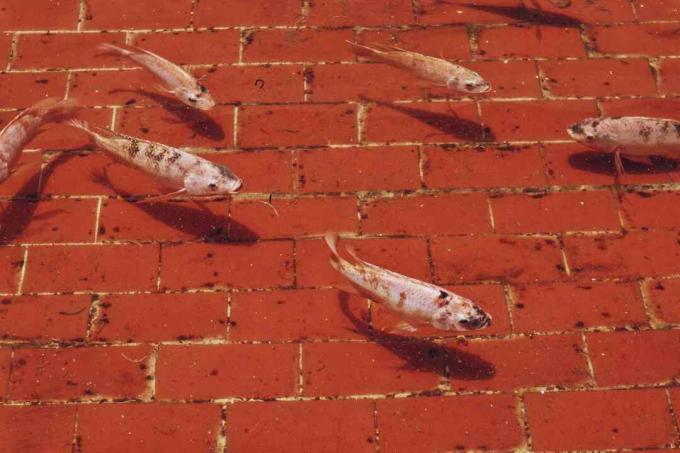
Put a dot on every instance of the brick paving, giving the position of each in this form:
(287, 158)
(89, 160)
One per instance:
(165, 327)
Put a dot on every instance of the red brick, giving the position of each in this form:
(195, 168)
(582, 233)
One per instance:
(438, 12)
(491, 298)
(193, 47)
(599, 77)
(425, 122)
(212, 13)
(656, 210)
(180, 126)
(492, 257)
(357, 12)
(634, 254)
(23, 89)
(301, 426)
(556, 212)
(483, 167)
(267, 45)
(44, 317)
(444, 423)
(360, 368)
(635, 357)
(424, 40)
(66, 50)
(119, 14)
(575, 164)
(62, 136)
(518, 120)
(289, 125)
(113, 372)
(95, 268)
(589, 12)
(48, 221)
(428, 215)
(166, 221)
(290, 315)
(660, 107)
(161, 317)
(559, 307)
(232, 84)
(11, 261)
(665, 297)
(37, 428)
(123, 87)
(670, 81)
(5, 366)
(246, 370)
(25, 179)
(37, 15)
(297, 217)
(5, 48)
(148, 427)
(406, 256)
(657, 9)
(599, 420)
(509, 79)
(260, 170)
(250, 265)
(530, 42)
(353, 169)
(643, 39)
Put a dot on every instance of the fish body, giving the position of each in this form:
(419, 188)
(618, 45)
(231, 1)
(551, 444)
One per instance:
(630, 135)
(413, 299)
(436, 70)
(26, 125)
(179, 169)
(174, 79)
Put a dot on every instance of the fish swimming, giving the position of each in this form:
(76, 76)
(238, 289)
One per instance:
(186, 172)
(174, 79)
(26, 125)
(435, 70)
(413, 299)
(635, 137)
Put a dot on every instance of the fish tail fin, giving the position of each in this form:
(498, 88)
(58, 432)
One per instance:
(331, 238)
(55, 110)
(92, 131)
(367, 51)
(112, 49)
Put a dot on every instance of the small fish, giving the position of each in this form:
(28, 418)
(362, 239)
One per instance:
(26, 125)
(413, 299)
(174, 79)
(635, 137)
(436, 70)
(190, 174)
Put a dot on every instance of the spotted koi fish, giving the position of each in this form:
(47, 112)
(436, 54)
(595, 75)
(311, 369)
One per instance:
(26, 125)
(413, 299)
(173, 78)
(190, 174)
(635, 137)
(435, 70)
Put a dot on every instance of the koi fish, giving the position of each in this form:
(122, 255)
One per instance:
(174, 79)
(436, 70)
(190, 174)
(26, 125)
(411, 298)
(635, 137)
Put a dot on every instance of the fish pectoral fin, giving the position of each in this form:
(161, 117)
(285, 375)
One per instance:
(163, 197)
(164, 89)
(404, 327)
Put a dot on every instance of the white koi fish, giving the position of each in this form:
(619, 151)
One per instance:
(174, 79)
(190, 174)
(635, 137)
(435, 70)
(414, 299)
(26, 125)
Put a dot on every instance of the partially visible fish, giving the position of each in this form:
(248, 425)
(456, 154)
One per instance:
(186, 172)
(26, 125)
(635, 137)
(435, 70)
(413, 299)
(173, 78)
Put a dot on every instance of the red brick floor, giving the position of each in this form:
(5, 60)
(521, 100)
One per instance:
(165, 327)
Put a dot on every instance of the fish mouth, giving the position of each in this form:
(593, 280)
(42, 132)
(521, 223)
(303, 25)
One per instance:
(477, 323)
(236, 186)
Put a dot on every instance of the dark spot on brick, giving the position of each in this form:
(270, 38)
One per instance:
(88, 392)
(6, 301)
(214, 372)
(142, 366)
(102, 229)
(308, 75)
(144, 130)
(71, 383)
(519, 305)
(659, 286)
(280, 302)
(248, 38)
(579, 324)
(560, 267)
(209, 255)
(42, 81)
(605, 314)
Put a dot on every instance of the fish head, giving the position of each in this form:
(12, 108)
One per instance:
(585, 131)
(469, 83)
(4, 170)
(459, 313)
(215, 180)
(197, 97)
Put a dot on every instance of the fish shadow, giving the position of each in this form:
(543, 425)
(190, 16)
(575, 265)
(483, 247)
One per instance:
(523, 14)
(199, 223)
(420, 354)
(451, 125)
(200, 123)
(20, 212)
(603, 163)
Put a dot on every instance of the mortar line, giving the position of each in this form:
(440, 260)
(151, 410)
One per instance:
(82, 15)
(674, 418)
(300, 372)
(586, 356)
(376, 427)
(75, 441)
(491, 217)
(222, 441)
(229, 300)
(22, 273)
(159, 268)
(97, 219)
(652, 319)
(149, 393)
(13, 46)
(523, 419)
(655, 67)
(235, 127)
(93, 316)
(510, 301)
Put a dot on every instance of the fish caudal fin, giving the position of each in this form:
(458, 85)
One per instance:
(331, 238)
(60, 111)
(367, 51)
(111, 49)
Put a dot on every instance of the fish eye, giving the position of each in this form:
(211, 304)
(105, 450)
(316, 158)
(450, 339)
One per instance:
(212, 186)
(470, 84)
(202, 88)
(464, 321)
(590, 138)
